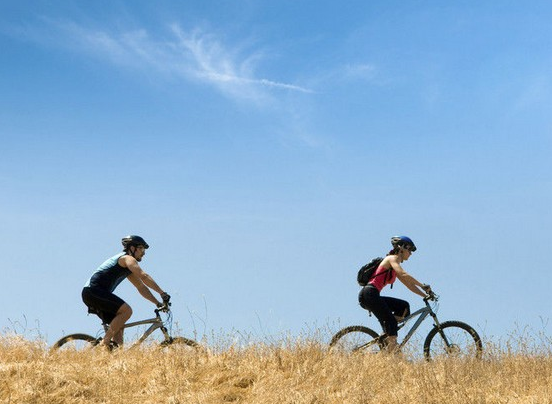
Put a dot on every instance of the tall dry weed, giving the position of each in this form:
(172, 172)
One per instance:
(289, 372)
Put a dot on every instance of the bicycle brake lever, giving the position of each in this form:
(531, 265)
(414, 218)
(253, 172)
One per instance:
(163, 309)
(431, 297)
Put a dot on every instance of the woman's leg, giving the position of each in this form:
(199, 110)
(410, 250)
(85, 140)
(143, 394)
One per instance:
(400, 308)
(391, 344)
(370, 299)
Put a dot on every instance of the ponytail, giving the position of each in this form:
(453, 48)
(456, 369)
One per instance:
(394, 251)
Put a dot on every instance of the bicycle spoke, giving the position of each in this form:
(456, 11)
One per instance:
(180, 343)
(356, 339)
(76, 342)
(453, 339)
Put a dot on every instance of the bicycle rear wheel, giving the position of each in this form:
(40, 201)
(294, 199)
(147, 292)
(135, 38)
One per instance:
(180, 343)
(453, 339)
(76, 342)
(356, 338)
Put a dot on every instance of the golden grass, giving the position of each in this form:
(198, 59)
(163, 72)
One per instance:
(296, 372)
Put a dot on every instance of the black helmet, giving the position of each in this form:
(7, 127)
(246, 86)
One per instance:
(133, 240)
(403, 241)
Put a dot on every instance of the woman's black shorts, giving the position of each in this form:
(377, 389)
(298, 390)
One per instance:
(384, 308)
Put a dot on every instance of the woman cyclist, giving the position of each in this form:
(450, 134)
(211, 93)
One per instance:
(388, 309)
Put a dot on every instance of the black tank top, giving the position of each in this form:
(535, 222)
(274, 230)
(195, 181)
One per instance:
(108, 275)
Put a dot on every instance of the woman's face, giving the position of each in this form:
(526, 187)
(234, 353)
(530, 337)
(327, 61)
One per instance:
(406, 253)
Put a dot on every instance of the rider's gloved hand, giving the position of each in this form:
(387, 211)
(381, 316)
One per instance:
(427, 288)
(166, 297)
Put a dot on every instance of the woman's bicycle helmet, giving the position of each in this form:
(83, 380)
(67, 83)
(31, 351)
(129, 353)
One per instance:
(133, 240)
(403, 241)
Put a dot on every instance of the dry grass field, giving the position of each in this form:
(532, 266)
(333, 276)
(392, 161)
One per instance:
(297, 372)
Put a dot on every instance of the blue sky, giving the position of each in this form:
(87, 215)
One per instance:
(266, 150)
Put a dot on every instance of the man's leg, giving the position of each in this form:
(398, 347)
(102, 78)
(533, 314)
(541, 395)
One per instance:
(115, 331)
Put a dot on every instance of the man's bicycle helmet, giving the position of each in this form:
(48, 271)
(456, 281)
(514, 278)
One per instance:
(403, 241)
(134, 240)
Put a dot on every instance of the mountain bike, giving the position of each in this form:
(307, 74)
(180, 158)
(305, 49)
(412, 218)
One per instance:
(83, 341)
(450, 338)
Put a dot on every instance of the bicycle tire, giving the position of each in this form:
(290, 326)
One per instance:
(77, 342)
(180, 341)
(355, 338)
(453, 339)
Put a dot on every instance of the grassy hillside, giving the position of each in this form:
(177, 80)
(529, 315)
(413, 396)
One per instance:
(299, 372)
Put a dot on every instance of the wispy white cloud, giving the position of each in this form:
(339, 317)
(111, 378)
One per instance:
(194, 56)
(365, 72)
(207, 60)
(199, 56)
(344, 74)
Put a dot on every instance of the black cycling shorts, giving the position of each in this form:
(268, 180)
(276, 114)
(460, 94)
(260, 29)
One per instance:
(384, 308)
(102, 303)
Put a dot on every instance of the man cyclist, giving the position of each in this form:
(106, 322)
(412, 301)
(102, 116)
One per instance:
(98, 295)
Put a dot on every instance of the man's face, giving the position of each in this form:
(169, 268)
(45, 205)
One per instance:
(139, 252)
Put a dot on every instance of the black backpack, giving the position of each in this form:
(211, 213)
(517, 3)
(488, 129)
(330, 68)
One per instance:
(366, 272)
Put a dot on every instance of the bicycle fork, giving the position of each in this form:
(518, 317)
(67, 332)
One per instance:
(440, 330)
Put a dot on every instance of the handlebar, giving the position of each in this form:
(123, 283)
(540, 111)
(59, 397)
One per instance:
(431, 296)
(165, 308)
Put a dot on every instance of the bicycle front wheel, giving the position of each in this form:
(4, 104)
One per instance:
(356, 338)
(76, 342)
(181, 342)
(453, 339)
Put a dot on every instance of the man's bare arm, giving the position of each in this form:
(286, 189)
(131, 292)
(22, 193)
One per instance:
(143, 289)
(140, 279)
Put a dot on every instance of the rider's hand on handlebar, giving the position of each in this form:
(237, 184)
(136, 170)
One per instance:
(431, 296)
(427, 289)
(166, 298)
(164, 307)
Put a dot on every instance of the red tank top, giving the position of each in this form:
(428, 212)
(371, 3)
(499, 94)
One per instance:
(383, 277)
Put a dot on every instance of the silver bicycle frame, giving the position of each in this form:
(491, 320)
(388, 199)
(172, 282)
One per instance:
(155, 324)
(422, 313)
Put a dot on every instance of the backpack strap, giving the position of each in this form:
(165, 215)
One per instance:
(387, 274)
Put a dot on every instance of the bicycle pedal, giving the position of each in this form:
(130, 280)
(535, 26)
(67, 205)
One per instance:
(112, 346)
